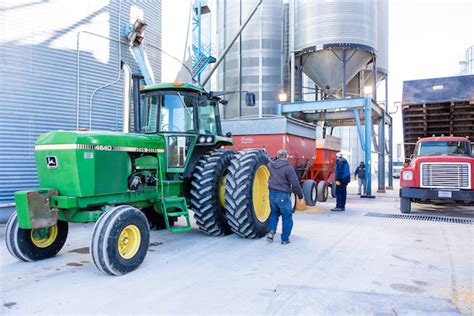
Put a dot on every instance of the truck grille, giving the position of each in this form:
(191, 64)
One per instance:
(446, 175)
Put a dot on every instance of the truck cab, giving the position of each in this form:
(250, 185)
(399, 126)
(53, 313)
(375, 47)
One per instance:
(440, 171)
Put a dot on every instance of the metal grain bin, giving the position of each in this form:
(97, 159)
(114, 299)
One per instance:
(324, 29)
(42, 71)
(240, 69)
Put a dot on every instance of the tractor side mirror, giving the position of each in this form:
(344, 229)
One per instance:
(250, 99)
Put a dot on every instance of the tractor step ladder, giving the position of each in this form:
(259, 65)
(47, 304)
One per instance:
(176, 203)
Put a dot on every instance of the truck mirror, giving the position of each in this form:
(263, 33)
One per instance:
(250, 99)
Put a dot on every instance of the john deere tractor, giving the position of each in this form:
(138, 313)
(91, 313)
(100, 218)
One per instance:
(128, 182)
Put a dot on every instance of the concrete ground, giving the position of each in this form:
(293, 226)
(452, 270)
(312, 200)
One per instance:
(337, 263)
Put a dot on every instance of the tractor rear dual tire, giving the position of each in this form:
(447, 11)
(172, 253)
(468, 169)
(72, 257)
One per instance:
(24, 245)
(247, 202)
(207, 192)
(120, 240)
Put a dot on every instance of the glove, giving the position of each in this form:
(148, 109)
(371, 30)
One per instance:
(338, 182)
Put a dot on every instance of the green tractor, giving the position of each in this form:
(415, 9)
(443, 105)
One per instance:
(174, 160)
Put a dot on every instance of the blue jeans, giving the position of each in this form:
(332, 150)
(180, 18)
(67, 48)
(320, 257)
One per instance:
(281, 205)
(361, 183)
(341, 194)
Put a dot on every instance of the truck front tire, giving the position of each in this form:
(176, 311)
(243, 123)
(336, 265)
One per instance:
(405, 205)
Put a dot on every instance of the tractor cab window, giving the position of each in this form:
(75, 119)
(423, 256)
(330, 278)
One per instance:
(176, 112)
(149, 114)
(207, 118)
(443, 148)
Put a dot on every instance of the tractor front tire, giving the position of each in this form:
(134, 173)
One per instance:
(247, 202)
(323, 191)
(26, 245)
(120, 240)
(207, 192)
(310, 192)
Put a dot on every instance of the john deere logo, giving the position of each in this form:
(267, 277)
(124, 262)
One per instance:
(51, 162)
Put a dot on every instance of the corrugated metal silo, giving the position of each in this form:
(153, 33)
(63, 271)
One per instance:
(240, 69)
(354, 87)
(41, 70)
(325, 29)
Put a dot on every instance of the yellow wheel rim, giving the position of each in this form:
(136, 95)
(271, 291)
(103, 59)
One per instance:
(47, 241)
(261, 202)
(221, 192)
(129, 241)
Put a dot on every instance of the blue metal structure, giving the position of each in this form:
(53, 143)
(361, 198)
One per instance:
(348, 112)
(202, 50)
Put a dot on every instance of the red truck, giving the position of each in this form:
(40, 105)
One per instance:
(441, 170)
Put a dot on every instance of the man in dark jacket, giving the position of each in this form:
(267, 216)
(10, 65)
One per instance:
(283, 180)
(359, 175)
(343, 177)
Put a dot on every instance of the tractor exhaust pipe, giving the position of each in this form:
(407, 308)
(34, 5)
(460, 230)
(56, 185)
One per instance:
(127, 77)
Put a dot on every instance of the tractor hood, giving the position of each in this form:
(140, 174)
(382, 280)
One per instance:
(103, 141)
(79, 164)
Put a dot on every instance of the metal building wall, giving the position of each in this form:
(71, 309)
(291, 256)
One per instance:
(240, 70)
(39, 74)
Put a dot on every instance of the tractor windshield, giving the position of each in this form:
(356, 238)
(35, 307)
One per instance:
(443, 148)
(168, 112)
(178, 111)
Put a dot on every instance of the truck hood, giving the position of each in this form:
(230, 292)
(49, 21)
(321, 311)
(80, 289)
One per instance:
(442, 158)
(416, 164)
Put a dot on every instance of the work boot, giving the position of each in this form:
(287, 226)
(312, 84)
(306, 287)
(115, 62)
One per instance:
(285, 242)
(337, 209)
(270, 236)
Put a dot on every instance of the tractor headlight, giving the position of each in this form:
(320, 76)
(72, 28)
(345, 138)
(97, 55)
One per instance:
(408, 175)
(202, 139)
(209, 139)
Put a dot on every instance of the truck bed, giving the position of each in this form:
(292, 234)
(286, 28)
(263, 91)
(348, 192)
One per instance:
(436, 107)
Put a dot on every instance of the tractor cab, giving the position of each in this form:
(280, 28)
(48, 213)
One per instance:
(186, 116)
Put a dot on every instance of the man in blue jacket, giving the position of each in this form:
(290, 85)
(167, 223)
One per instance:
(343, 177)
(283, 180)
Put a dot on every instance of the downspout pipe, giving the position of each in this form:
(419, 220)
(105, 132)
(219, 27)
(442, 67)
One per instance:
(127, 77)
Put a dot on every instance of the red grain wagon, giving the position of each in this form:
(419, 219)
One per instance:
(314, 161)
